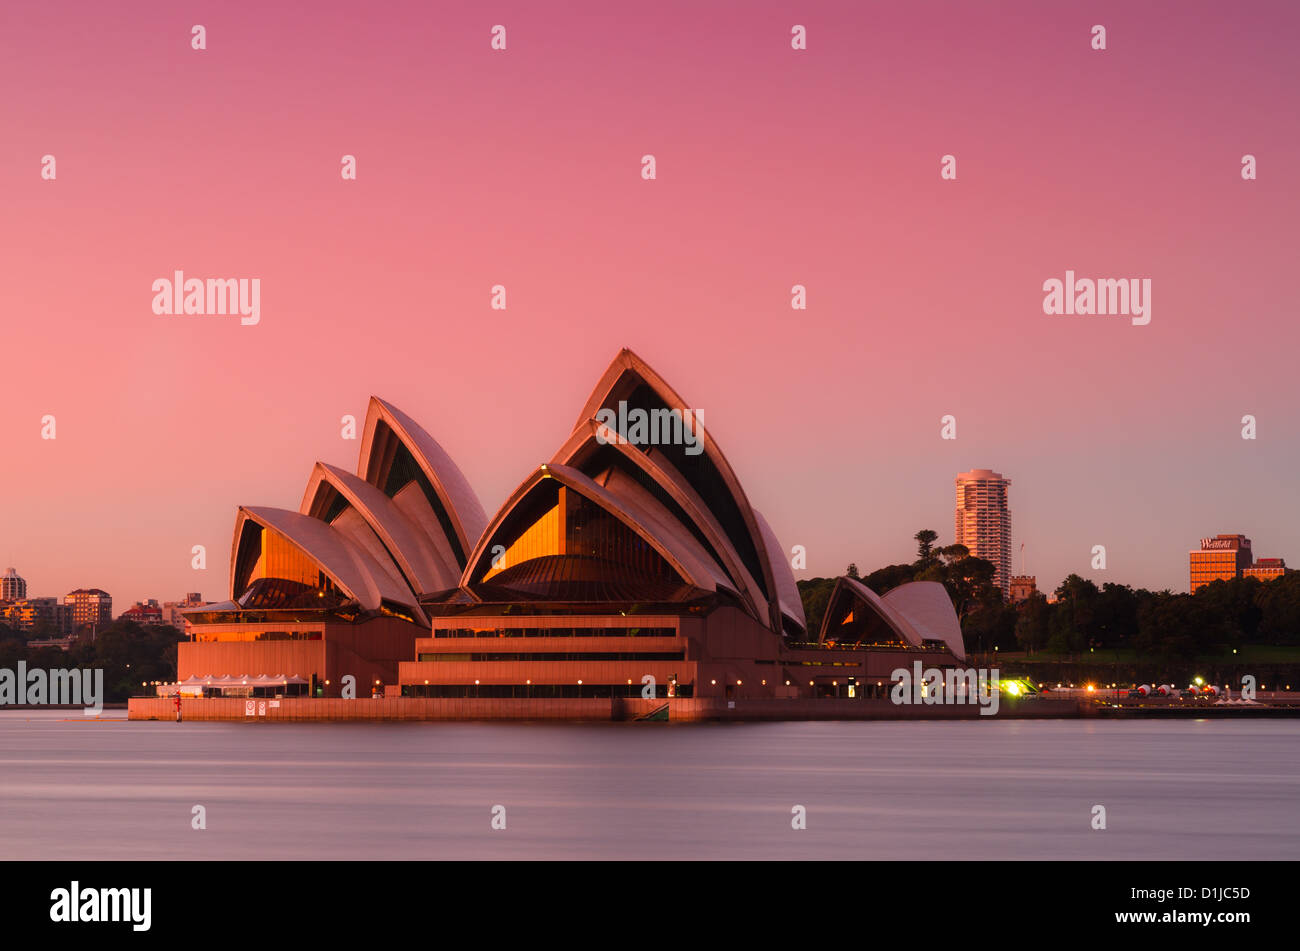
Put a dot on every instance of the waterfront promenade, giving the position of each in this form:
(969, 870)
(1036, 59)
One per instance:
(684, 709)
(587, 708)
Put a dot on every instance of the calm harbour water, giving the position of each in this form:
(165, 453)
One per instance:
(72, 788)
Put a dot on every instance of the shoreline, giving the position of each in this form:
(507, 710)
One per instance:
(326, 710)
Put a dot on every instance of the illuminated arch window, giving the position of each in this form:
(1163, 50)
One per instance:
(562, 546)
(851, 620)
(700, 471)
(272, 572)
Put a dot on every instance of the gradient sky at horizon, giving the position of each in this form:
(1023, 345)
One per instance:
(775, 167)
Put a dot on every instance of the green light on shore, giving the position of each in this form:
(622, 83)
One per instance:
(1017, 687)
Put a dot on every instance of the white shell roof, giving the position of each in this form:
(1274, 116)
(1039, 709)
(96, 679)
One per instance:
(356, 571)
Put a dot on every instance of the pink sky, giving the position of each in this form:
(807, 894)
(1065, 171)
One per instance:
(775, 167)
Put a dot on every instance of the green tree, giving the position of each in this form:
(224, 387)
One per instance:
(1115, 613)
(889, 577)
(1180, 626)
(130, 655)
(1073, 624)
(952, 553)
(925, 540)
(990, 624)
(970, 584)
(1032, 623)
(1234, 604)
(815, 594)
(1279, 610)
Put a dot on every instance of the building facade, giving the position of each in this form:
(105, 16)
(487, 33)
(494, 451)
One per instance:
(330, 595)
(1023, 587)
(625, 566)
(173, 612)
(143, 612)
(37, 614)
(983, 522)
(90, 607)
(1265, 569)
(12, 586)
(1220, 558)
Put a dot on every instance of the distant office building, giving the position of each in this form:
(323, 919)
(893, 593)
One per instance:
(172, 610)
(1266, 569)
(12, 587)
(1220, 558)
(37, 614)
(11, 614)
(1023, 587)
(43, 614)
(984, 521)
(89, 606)
(143, 612)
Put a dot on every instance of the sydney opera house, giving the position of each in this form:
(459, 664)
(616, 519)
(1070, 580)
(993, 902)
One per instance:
(623, 567)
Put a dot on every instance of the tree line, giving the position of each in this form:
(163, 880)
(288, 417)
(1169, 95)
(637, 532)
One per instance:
(129, 653)
(1082, 615)
(1220, 616)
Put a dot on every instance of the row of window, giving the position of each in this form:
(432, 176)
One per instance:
(828, 663)
(556, 632)
(542, 691)
(272, 693)
(259, 636)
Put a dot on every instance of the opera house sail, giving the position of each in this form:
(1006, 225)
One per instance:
(623, 567)
(333, 590)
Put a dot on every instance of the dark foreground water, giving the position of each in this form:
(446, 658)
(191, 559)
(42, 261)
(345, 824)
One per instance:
(1201, 789)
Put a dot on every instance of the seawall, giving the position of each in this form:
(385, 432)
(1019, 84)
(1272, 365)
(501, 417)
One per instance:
(683, 709)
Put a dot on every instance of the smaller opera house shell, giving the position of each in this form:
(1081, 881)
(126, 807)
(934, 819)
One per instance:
(620, 568)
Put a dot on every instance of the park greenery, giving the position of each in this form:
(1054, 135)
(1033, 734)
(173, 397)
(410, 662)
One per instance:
(130, 654)
(1083, 617)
